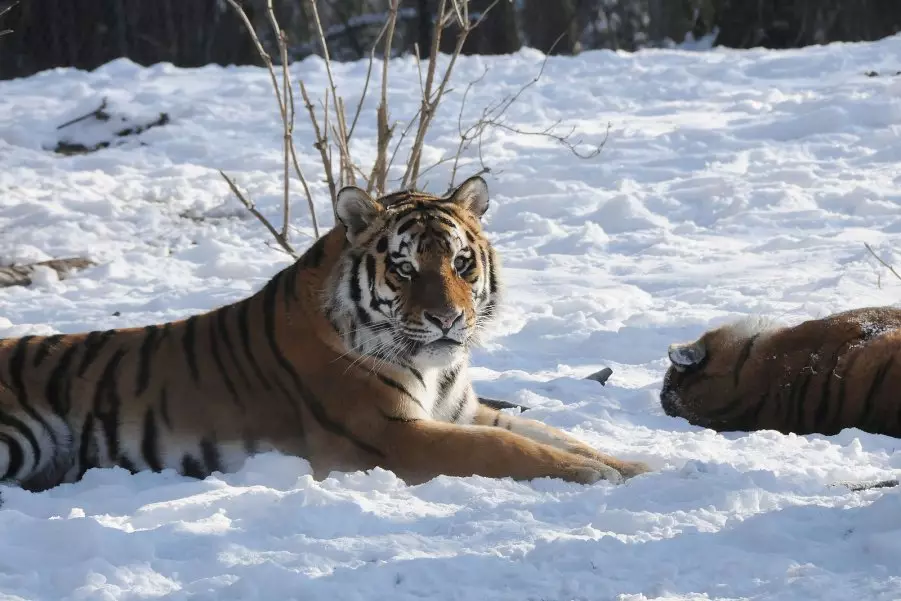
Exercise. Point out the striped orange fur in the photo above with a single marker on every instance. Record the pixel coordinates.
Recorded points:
(353, 357)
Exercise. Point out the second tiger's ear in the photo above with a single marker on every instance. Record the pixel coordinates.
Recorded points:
(687, 354)
(356, 210)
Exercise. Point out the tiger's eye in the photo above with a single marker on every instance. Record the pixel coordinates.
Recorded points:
(406, 269)
(460, 263)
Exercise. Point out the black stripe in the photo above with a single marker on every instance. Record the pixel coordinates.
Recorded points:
(870, 406)
(93, 344)
(819, 420)
(22, 428)
(251, 445)
(312, 403)
(408, 224)
(396, 418)
(164, 408)
(391, 382)
(47, 343)
(87, 451)
(798, 402)
(497, 419)
(16, 457)
(356, 293)
(107, 403)
(382, 245)
(222, 323)
(188, 343)
(458, 410)
(370, 275)
(17, 362)
(742, 358)
(58, 391)
(16, 368)
(191, 468)
(445, 221)
(492, 280)
(145, 356)
(270, 298)
(244, 330)
(445, 384)
(313, 257)
(416, 373)
(210, 453)
(291, 285)
(449, 210)
(150, 443)
(837, 424)
(217, 359)
(127, 464)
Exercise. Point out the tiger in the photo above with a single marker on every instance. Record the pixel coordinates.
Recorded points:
(817, 377)
(354, 357)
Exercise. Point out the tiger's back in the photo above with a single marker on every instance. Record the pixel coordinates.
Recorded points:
(820, 376)
(355, 356)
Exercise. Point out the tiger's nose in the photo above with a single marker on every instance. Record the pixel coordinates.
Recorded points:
(445, 319)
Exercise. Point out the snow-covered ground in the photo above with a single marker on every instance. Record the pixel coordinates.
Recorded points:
(733, 183)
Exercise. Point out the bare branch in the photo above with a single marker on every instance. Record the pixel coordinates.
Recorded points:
(284, 97)
(392, 19)
(282, 240)
(430, 103)
(884, 263)
(321, 143)
(492, 116)
(345, 160)
(379, 169)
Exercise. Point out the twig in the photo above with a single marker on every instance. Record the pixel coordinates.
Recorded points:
(378, 38)
(282, 240)
(321, 142)
(430, 103)
(379, 168)
(345, 161)
(883, 261)
(98, 113)
(287, 113)
(564, 140)
(288, 120)
(492, 117)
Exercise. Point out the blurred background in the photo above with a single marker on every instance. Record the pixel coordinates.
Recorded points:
(191, 33)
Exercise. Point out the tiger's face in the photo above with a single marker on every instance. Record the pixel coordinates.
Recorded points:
(419, 280)
(704, 375)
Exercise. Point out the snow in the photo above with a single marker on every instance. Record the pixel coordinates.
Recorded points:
(733, 184)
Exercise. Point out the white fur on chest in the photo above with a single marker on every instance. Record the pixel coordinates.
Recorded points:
(438, 397)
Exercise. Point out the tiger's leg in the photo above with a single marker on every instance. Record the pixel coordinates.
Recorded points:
(420, 450)
(543, 433)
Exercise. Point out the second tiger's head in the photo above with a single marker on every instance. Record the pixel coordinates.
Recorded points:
(419, 280)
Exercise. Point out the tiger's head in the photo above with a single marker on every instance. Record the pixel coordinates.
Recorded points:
(704, 377)
(418, 280)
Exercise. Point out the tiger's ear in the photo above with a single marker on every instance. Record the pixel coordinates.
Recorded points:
(686, 354)
(356, 210)
(472, 195)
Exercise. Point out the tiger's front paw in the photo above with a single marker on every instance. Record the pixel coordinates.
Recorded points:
(594, 473)
(630, 469)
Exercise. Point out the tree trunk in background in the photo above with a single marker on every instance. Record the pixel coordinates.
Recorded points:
(780, 24)
(544, 22)
(497, 34)
(88, 33)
